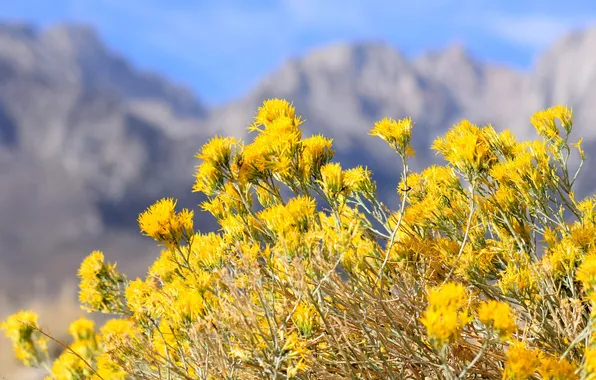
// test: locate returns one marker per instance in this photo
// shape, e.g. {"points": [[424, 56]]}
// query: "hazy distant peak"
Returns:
{"points": [[352, 55], [453, 54], [457, 49], [577, 45], [79, 36], [575, 39], [81, 47], [17, 29]]}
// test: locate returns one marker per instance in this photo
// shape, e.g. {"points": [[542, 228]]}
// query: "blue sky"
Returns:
{"points": [[221, 48]]}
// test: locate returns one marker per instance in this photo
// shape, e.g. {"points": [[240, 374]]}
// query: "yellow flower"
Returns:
{"points": [[164, 267], [564, 114], [521, 173], [305, 318], [189, 305], [184, 222], [68, 366], [397, 134], [545, 121], [98, 287], [167, 341], [241, 354], [234, 226], [118, 333], [294, 216], [82, 329], [208, 251], [467, 147], [155, 222], [557, 369], [586, 272], [255, 159], [332, 179], [137, 292], [92, 265], [561, 260], [27, 344], [446, 314], [217, 151], [272, 110], [522, 362], [518, 280], [506, 142], [583, 235], [284, 166], [294, 370], [578, 145], [208, 179], [357, 179], [476, 262], [108, 369], [506, 198], [294, 347], [500, 316], [161, 222], [316, 152], [18, 326], [586, 208], [550, 237], [590, 362]]}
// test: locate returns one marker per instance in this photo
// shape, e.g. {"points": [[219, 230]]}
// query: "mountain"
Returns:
{"points": [[87, 141], [65, 98], [343, 89]]}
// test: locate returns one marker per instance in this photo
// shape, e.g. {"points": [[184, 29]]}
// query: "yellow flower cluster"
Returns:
{"points": [[162, 223], [398, 134], [336, 182], [316, 152], [519, 280], [99, 284], [586, 273], [558, 369], [522, 362], [467, 148], [305, 318], [435, 197], [82, 330], [75, 363], [22, 329], [289, 222], [446, 314], [499, 316], [590, 363], [311, 275], [545, 121], [108, 369]]}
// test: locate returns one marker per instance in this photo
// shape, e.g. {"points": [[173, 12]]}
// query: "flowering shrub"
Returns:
{"points": [[329, 283]]}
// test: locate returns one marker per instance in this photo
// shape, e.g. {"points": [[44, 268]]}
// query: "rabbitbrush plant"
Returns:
{"points": [[477, 275]]}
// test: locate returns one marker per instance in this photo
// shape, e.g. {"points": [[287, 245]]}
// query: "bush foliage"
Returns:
{"points": [[477, 275]]}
